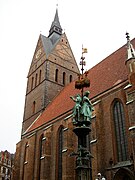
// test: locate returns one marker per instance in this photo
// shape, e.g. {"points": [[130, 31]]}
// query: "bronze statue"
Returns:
{"points": [[82, 110], [77, 108], [87, 107]]}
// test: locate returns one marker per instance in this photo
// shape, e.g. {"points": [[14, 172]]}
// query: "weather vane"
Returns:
{"points": [[83, 108], [82, 81], [82, 113]]}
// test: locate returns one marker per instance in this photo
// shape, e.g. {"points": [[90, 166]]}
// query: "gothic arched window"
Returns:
{"points": [[32, 82], [70, 78], [26, 153], [120, 131], [64, 78], [36, 80], [59, 155], [42, 157], [34, 107], [25, 160], [40, 76]]}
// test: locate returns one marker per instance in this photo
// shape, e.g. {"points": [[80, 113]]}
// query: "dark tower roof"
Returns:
{"points": [[55, 27]]}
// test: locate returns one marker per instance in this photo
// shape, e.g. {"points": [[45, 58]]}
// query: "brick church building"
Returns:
{"points": [[47, 137]]}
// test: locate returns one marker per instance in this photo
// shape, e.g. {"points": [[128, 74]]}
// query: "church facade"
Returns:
{"points": [[47, 138]]}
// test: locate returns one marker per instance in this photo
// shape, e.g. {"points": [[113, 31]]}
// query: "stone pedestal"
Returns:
{"points": [[83, 154]]}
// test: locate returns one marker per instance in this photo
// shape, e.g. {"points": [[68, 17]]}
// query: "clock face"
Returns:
{"points": [[38, 53]]}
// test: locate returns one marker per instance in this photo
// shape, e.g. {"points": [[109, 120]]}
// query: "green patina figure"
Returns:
{"points": [[87, 107], [83, 108], [77, 108]]}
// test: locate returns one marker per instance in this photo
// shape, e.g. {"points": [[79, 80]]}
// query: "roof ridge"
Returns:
{"points": [[109, 56], [110, 74]]}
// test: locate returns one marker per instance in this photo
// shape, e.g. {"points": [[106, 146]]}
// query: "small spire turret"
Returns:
{"points": [[130, 61], [130, 48], [55, 27]]}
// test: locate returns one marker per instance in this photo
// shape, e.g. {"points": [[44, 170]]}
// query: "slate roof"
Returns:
{"points": [[56, 21], [53, 38], [105, 75], [48, 44]]}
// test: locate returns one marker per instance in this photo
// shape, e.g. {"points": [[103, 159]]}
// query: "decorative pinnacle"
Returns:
{"points": [[130, 48], [127, 36]]}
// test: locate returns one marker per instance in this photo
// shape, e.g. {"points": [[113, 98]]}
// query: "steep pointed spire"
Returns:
{"points": [[55, 27], [130, 48]]}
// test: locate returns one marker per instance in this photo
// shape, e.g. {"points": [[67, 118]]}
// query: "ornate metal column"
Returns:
{"points": [[82, 113]]}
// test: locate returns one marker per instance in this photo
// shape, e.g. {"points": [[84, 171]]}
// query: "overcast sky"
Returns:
{"points": [[99, 25]]}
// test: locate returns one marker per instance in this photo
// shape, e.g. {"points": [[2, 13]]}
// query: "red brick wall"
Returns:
{"points": [[48, 88]]}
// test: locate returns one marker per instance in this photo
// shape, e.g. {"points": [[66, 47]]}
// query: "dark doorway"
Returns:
{"points": [[124, 174]]}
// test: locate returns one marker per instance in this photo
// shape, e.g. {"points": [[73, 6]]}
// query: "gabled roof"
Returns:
{"points": [[48, 46], [105, 75]]}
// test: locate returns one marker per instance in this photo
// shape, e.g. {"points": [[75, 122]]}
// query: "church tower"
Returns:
{"points": [[53, 66]]}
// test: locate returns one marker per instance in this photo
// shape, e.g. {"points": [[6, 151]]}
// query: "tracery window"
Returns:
{"points": [[42, 157], [26, 153], [25, 161], [120, 131], [60, 148]]}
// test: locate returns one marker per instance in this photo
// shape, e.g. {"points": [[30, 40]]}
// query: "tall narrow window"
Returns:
{"points": [[120, 131], [60, 147], [34, 107], [42, 158], [36, 80], [64, 78], [26, 153], [32, 82], [56, 75], [40, 76], [70, 78], [25, 161]]}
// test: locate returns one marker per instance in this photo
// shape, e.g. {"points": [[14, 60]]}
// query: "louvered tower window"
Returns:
{"points": [[32, 82], [34, 107], [36, 79], [56, 75], [64, 78], [120, 131], [60, 147], [70, 78], [40, 76]]}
